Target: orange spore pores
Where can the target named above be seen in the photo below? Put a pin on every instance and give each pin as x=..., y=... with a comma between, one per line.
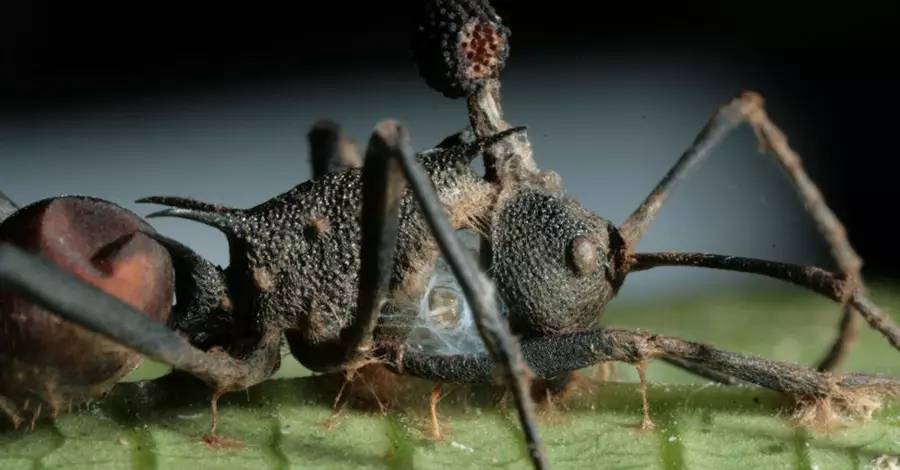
x=48, y=364
x=481, y=45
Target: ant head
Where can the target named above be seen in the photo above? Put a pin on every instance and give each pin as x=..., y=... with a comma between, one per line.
x=555, y=263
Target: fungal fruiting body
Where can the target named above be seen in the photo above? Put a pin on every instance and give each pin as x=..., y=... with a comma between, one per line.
x=458, y=45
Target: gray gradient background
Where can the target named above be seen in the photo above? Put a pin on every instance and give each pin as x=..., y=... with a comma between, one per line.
x=610, y=125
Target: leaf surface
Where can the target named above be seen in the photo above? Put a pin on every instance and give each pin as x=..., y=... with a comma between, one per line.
x=287, y=422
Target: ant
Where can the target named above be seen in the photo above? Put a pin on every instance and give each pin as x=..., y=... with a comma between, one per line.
x=337, y=266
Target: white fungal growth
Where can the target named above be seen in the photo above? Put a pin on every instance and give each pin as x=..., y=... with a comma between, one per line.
x=445, y=325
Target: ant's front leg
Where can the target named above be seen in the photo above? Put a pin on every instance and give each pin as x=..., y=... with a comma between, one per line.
x=748, y=108
x=821, y=395
x=701, y=371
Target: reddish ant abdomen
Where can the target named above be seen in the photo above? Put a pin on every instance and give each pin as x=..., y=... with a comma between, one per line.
x=47, y=364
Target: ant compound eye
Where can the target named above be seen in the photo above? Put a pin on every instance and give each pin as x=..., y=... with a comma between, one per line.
x=583, y=255
x=444, y=306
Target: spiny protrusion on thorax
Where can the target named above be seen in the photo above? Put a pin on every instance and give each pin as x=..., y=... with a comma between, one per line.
x=466, y=146
x=225, y=219
x=463, y=137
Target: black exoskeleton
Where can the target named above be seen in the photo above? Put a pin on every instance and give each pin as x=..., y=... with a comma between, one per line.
x=573, y=263
x=338, y=266
x=294, y=259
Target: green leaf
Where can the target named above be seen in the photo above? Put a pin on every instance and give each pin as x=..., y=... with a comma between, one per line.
x=287, y=422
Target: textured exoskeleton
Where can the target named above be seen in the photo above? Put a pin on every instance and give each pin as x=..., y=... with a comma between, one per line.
x=294, y=260
x=554, y=262
x=338, y=266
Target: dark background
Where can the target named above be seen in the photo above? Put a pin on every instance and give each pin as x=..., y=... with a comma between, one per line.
x=828, y=73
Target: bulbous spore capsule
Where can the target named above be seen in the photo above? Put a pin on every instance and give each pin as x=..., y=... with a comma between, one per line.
x=458, y=44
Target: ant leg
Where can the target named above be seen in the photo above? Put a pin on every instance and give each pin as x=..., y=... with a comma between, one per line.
x=247, y=367
x=479, y=291
x=749, y=108
x=203, y=313
x=432, y=411
x=7, y=206
x=701, y=371
x=383, y=190
x=212, y=439
x=848, y=333
x=83, y=304
x=855, y=394
x=383, y=187
x=330, y=150
x=836, y=287
x=338, y=406
x=646, y=423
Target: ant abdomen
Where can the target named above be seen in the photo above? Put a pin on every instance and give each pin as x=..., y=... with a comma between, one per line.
x=48, y=364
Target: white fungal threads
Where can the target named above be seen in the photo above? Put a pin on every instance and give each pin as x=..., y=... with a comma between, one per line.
x=445, y=324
